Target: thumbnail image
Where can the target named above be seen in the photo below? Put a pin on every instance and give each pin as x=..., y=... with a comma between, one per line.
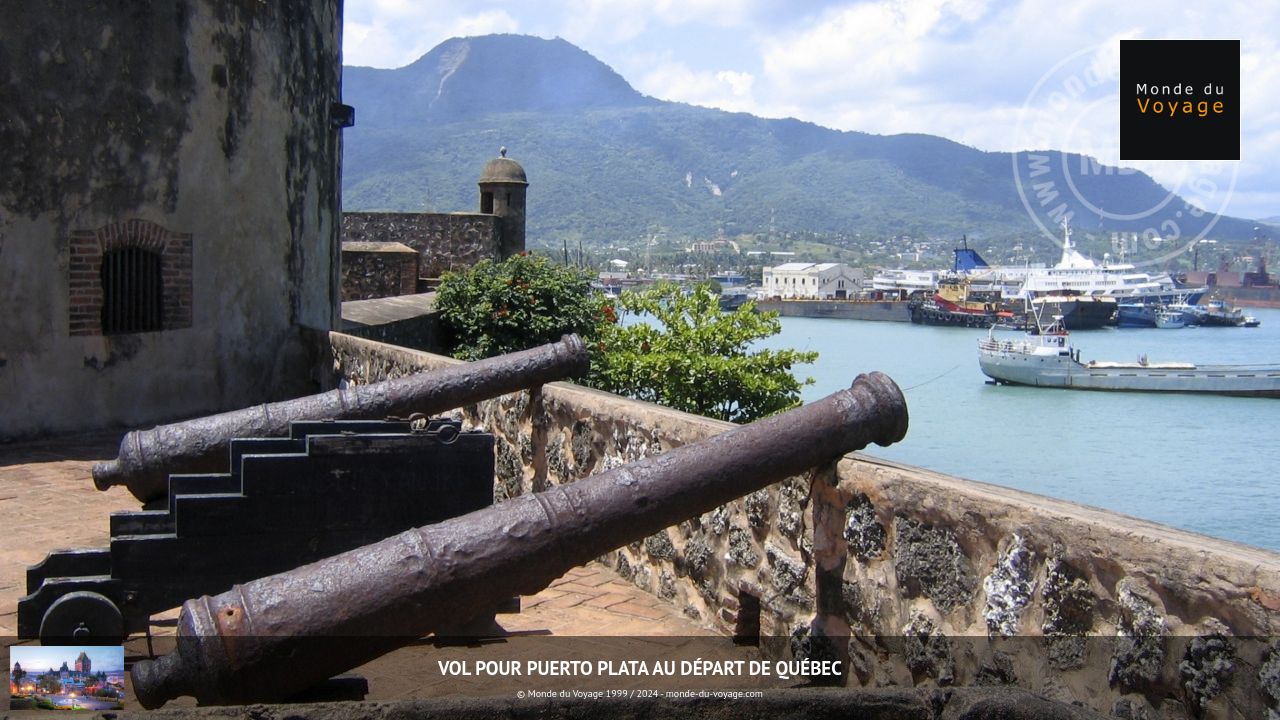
x=66, y=677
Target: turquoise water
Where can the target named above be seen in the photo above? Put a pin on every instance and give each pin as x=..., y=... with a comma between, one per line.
x=1205, y=464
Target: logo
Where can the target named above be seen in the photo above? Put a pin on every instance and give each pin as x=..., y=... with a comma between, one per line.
x=1068, y=170
x=1180, y=99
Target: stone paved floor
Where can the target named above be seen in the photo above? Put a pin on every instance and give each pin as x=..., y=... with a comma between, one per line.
x=48, y=502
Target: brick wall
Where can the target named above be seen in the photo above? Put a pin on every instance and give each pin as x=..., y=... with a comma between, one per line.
x=84, y=271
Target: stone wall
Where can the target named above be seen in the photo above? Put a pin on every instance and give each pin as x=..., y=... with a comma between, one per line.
x=757, y=545
x=196, y=135
x=378, y=269
x=985, y=584
x=916, y=578
x=444, y=241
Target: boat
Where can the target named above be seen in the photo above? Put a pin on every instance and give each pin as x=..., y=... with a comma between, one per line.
x=1136, y=315
x=1012, y=322
x=1044, y=357
x=1215, y=314
x=930, y=313
x=1250, y=321
x=904, y=281
x=1075, y=273
x=955, y=303
x=1170, y=319
x=732, y=298
x=1078, y=312
x=1257, y=288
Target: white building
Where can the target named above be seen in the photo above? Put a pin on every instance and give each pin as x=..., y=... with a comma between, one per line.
x=822, y=281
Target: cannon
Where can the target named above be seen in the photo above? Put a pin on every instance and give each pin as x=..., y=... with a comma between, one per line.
x=271, y=638
x=329, y=487
x=147, y=457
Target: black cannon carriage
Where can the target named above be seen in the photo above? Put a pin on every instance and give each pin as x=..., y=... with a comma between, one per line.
x=328, y=487
x=308, y=478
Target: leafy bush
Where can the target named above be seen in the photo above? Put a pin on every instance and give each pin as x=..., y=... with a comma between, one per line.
x=524, y=301
x=696, y=358
x=680, y=350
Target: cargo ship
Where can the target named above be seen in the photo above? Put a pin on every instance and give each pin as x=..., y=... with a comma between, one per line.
x=1246, y=289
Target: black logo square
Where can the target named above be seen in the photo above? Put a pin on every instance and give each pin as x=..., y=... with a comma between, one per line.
x=1179, y=99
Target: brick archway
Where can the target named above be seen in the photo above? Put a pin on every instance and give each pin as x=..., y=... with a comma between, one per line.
x=84, y=272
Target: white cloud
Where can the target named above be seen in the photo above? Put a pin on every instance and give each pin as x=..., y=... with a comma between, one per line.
x=394, y=33
x=484, y=23
x=864, y=48
x=724, y=89
x=596, y=23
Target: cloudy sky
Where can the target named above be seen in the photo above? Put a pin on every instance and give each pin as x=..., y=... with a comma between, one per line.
x=37, y=659
x=980, y=72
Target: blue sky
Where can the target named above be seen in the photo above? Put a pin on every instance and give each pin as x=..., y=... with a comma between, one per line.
x=36, y=658
x=967, y=70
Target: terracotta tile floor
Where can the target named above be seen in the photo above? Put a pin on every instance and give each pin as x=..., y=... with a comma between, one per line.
x=48, y=502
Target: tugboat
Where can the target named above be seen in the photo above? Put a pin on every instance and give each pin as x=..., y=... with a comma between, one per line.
x=1215, y=314
x=956, y=304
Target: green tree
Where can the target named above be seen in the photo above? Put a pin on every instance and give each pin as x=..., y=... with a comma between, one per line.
x=713, y=285
x=494, y=308
x=685, y=353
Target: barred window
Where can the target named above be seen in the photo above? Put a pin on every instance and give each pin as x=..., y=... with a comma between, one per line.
x=132, y=291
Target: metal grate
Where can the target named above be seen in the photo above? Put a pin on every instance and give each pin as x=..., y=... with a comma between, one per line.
x=132, y=291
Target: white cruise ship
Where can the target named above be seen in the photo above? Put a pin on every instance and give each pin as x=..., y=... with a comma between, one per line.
x=906, y=281
x=1074, y=274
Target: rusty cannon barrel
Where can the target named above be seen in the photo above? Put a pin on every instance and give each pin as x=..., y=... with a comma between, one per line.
x=273, y=637
x=148, y=457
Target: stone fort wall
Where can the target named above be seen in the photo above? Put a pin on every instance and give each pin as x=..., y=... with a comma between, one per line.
x=915, y=578
x=168, y=207
x=373, y=270
x=444, y=241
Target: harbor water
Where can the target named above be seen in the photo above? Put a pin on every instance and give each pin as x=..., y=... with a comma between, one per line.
x=1201, y=463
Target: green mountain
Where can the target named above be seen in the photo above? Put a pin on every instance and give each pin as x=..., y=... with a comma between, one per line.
x=607, y=164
